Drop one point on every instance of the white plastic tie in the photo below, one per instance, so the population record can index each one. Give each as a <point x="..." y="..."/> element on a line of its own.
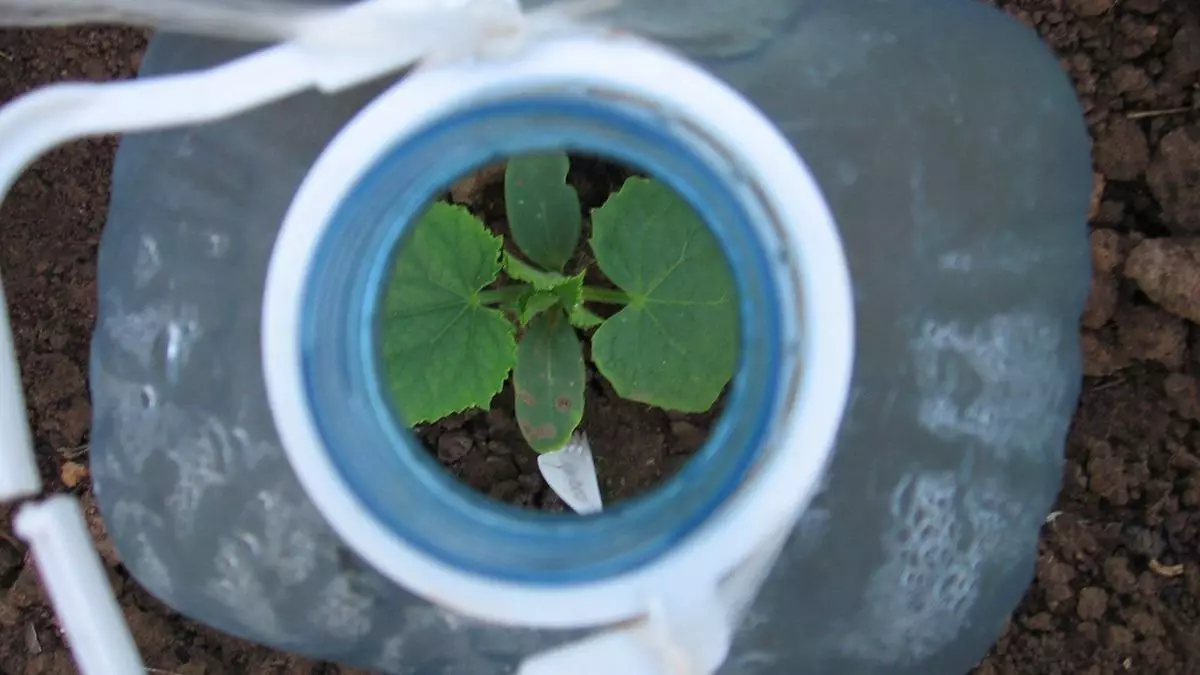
<point x="327" y="48"/>
<point x="18" y="468"/>
<point x="438" y="28"/>
<point x="74" y="578"/>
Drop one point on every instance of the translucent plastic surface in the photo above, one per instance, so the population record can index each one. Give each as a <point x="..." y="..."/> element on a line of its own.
<point x="953" y="154"/>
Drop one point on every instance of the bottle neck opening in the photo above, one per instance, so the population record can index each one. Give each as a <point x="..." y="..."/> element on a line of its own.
<point x="614" y="97"/>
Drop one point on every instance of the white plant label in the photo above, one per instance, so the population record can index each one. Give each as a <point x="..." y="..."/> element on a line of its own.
<point x="571" y="473"/>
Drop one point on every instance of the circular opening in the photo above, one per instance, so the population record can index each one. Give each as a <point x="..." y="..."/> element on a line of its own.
<point x="384" y="493"/>
<point x="354" y="408"/>
<point x="506" y="341"/>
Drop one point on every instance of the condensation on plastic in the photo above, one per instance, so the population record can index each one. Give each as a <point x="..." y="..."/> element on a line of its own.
<point x="955" y="161"/>
<point x="952" y="152"/>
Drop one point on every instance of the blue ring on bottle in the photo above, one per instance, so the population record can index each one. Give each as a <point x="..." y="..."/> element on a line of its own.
<point x="386" y="466"/>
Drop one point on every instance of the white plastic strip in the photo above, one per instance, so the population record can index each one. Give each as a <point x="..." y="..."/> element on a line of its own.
<point x="419" y="27"/>
<point x="571" y="473"/>
<point x="18" y="468"/>
<point x="39" y="121"/>
<point x="74" y="579"/>
<point x="331" y="49"/>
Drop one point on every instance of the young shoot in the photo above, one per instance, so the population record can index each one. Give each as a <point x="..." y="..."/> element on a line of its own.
<point x="461" y="313"/>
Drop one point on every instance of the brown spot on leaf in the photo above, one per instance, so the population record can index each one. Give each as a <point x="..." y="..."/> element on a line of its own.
<point x="540" y="432"/>
<point x="524" y="396"/>
<point x="563" y="403"/>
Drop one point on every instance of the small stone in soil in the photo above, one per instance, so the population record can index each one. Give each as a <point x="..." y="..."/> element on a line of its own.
<point x="1092" y="603"/>
<point x="1042" y="622"/>
<point x="1168" y="272"/>
<point x="1098" y="183"/>
<point x="1119" y="576"/>
<point x="1101" y="302"/>
<point x="1184" y="392"/>
<point x="1146" y="625"/>
<point x="453" y="446"/>
<point x="1100" y="356"/>
<point x="1130" y="80"/>
<point x="1142" y="6"/>
<point x="1119" y="636"/>
<point x="1183" y="61"/>
<point x="1150" y="334"/>
<point x="1085" y="8"/>
<point x="1111" y="213"/>
<point x="501" y="468"/>
<point x="526" y="462"/>
<point x="498" y="448"/>
<point x="72" y="473"/>
<point x="1143" y="542"/>
<point x="532" y="482"/>
<point x="1173" y="179"/>
<point x="1123" y="153"/>
<point x="689" y="436"/>
<point x="504" y="490"/>
<point x="1106" y="250"/>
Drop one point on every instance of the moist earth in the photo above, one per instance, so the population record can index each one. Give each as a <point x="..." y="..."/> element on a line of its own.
<point x="1117" y="588"/>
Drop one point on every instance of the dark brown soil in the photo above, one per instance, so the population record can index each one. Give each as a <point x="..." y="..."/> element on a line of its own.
<point x="641" y="445"/>
<point x="635" y="446"/>
<point x="1118" y="582"/>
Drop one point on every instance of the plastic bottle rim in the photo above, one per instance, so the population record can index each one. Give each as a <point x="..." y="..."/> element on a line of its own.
<point x="773" y="495"/>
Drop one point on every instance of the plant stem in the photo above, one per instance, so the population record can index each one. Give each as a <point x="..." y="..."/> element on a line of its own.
<point x="498" y="296"/>
<point x="608" y="295"/>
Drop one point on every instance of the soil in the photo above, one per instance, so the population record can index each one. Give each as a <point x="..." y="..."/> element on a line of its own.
<point x="1118" y="578"/>
<point x="642" y="445"/>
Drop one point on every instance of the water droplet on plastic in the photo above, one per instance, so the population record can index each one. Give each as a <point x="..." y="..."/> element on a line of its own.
<point x="171" y="347"/>
<point x="148" y="261"/>
<point x="149" y="397"/>
<point x="218" y="245"/>
<point x="185" y="148"/>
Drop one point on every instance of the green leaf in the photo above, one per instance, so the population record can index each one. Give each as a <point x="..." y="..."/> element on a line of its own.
<point x="583" y="318"/>
<point x="675" y="344"/>
<point x="548" y="381"/>
<point x="522" y="271"/>
<point x="442" y="351"/>
<point x="536" y="303"/>
<point x="570" y="292"/>
<point x="547" y="289"/>
<point x="543" y="211"/>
